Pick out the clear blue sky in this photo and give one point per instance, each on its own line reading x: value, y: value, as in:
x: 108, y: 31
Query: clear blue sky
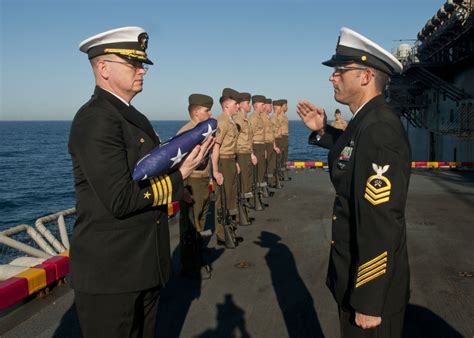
x: 274, y: 48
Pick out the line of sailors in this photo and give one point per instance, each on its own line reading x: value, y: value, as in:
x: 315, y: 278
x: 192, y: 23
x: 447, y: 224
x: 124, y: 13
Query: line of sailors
x: 249, y: 156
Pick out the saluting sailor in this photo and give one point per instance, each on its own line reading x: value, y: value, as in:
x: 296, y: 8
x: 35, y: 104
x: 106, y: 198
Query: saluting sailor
x: 369, y: 165
x: 120, y: 251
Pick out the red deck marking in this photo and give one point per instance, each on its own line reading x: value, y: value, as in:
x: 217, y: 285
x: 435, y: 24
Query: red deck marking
x: 12, y: 291
x: 50, y: 272
x: 61, y: 265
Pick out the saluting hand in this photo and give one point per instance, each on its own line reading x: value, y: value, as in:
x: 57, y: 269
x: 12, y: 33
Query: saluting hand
x: 313, y: 117
x: 366, y: 321
x: 195, y: 157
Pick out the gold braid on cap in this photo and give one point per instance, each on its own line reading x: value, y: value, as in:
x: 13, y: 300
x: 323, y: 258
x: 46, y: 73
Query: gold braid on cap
x: 127, y: 52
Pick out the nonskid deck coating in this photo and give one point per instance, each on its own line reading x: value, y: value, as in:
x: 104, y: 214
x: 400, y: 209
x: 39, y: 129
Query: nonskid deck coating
x: 273, y: 284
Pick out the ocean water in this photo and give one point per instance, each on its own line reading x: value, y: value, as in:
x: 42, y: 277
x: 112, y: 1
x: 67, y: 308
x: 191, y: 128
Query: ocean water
x: 35, y: 166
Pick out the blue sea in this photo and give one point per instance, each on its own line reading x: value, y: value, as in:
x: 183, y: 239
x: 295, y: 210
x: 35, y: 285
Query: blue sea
x: 35, y: 166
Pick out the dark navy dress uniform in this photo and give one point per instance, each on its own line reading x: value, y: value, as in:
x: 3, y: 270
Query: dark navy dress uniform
x: 369, y: 165
x: 120, y: 243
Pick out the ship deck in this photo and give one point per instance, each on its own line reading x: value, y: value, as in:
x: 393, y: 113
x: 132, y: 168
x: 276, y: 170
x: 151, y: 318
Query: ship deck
x: 273, y: 284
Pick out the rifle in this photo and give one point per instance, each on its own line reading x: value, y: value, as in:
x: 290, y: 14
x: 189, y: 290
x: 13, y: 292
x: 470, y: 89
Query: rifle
x: 257, y: 197
x: 243, y: 212
x: 277, y: 172
x: 226, y: 221
x: 265, y: 191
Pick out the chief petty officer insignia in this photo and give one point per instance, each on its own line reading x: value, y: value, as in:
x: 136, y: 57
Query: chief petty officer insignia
x: 377, y: 189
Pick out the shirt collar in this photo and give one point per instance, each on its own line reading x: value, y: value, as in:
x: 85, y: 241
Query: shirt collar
x: 118, y: 97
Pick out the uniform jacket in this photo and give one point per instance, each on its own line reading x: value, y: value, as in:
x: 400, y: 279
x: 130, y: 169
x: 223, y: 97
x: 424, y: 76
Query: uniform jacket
x: 284, y: 125
x: 245, y: 139
x: 369, y: 165
x: 226, y: 135
x: 258, y: 127
x: 120, y: 239
x: 269, y: 136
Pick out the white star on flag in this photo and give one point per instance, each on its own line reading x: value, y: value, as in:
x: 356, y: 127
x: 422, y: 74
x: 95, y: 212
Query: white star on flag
x: 177, y: 158
x: 208, y: 132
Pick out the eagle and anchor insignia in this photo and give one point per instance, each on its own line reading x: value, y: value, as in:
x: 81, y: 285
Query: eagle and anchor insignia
x: 377, y: 189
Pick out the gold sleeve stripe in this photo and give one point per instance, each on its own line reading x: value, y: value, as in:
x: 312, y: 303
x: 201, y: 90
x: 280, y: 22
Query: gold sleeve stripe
x: 376, y: 196
x: 155, y: 192
x: 375, y: 202
x: 160, y: 191
x: 382, y: 255
x: 165, y: 190
x: 170, y: 189
x: 371, y: 272
x: 371, y: 267
x: 370, y: 278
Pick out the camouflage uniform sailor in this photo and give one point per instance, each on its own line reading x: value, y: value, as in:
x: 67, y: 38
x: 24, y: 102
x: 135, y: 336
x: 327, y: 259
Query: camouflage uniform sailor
x: 270, y: 147
x: 245, y: 154
x: 369, y: 165
x: 284, y: 138
x: 193, y: 214
x: 258, y: 128
x: 277, y: 125
x: 224, y: 163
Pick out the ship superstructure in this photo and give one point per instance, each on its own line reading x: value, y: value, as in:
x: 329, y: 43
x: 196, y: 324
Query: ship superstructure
x: 435, y: 92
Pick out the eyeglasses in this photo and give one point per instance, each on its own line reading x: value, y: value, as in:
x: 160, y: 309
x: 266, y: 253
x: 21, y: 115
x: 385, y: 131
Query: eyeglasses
x: 342, y: 69
x: 132, y: 64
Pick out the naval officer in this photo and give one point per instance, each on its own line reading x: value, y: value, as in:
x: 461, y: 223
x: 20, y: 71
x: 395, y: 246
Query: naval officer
x: 369, y: 165
x: 120, y: 251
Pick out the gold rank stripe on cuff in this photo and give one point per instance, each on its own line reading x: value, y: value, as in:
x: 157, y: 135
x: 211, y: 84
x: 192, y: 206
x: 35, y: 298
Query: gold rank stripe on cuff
x: 162, y: 190
x: 372, y: 261
x: 370, y: 278
x: 371, y: 269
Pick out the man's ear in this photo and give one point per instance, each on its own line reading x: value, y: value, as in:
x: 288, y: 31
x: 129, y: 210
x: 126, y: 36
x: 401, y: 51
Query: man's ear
x: 367, y: 76
x: 102, y: 69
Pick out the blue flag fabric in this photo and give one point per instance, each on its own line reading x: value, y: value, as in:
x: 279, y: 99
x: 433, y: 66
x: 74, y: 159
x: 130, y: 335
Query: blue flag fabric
x: 168, y: 156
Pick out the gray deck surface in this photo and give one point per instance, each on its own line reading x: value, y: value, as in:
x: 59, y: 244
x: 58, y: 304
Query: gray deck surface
x: 280, y: 290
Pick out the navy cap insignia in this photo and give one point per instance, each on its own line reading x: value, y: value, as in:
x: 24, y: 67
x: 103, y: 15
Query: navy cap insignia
x: 143, y: 40
x: 377, y: 189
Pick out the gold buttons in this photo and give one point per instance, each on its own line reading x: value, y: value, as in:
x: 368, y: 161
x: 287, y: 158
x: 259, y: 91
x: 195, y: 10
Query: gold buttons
x: 334, y: 217
x: 158, y: 222
x: 332, y: 242
x: 142, y: 140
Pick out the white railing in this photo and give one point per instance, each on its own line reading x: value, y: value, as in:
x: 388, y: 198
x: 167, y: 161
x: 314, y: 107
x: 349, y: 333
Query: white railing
x: 47, y: 243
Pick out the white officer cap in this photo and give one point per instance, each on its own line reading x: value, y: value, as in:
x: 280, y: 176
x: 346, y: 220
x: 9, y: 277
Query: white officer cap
x: 129, y: 43
x: 354, y: 47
